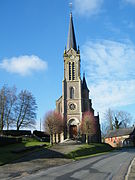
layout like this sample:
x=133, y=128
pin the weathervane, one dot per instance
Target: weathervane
x=70, y=6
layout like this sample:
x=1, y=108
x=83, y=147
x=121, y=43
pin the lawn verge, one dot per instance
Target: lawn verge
x=8, y=153
x=89, y=150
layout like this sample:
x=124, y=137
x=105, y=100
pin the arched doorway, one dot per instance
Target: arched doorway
x=73, y=128
x=72, y=131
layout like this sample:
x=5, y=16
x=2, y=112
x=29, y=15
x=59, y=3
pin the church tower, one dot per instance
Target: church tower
x=72, y=106
x=75, y=93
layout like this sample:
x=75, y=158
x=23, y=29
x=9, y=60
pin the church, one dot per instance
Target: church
x=74, y=101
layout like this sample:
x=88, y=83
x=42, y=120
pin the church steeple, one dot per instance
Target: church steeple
x=71, y=43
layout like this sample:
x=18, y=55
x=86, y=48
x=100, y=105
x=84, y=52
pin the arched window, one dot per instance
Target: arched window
x=71, y=93
x=69, y=70
x=73, y=71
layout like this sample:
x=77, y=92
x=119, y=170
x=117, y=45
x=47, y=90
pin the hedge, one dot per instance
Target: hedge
x=40, y=134
x=9, y=140
x=16, y=133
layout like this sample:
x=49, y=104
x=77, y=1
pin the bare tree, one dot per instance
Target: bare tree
x=3, y=100
x=115, y=119
x=10, y=102
x=124, y=117
x=53, y=124
x=16, y=110
x=7, y=101
x=88, y=125
x=25, y=110
x=109, y=116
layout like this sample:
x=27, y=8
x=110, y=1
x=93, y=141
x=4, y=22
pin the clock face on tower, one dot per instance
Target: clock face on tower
x=72, y=106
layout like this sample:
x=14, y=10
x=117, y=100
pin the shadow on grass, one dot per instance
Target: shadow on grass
x=41, y=153
x=90, y=149
x=15, y=154
x=20, y=153
x=29, y=162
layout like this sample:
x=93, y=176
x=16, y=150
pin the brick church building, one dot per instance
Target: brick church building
x=75, y=93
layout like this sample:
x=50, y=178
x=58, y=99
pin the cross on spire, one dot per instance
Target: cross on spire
x=70, y=6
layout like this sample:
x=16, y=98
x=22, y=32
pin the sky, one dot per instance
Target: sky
x=33, y=36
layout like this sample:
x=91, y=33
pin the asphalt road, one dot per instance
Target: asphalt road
x=105, y=167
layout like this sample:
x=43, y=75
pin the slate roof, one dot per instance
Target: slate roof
x=71, y=43
x=84, y=84
x=120, y=132
x=59, y=99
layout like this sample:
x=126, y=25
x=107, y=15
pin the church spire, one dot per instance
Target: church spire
x=71, y=35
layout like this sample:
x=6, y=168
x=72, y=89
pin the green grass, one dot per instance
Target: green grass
x=88, y=150
x=7, y=156
x=32, y=142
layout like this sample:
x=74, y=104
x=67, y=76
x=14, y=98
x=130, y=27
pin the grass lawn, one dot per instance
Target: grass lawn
x=88, y=150
x=6, y=154
x=84, y=151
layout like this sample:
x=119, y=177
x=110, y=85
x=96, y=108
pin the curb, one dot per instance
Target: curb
x=129, y=169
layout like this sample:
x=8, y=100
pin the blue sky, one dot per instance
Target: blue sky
x=33, y=35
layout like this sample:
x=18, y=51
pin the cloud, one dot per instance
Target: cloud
x=87, y=7
x=109, y=60
x=130, y=1
x=112, y=94
x=110, y=68
x=23, y=65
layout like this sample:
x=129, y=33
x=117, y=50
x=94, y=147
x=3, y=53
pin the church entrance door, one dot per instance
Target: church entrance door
x=72, y=131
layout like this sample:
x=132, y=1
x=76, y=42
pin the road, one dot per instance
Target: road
x=112, y=166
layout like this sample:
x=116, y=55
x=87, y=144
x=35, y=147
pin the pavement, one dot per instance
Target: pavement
x=131, y=171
